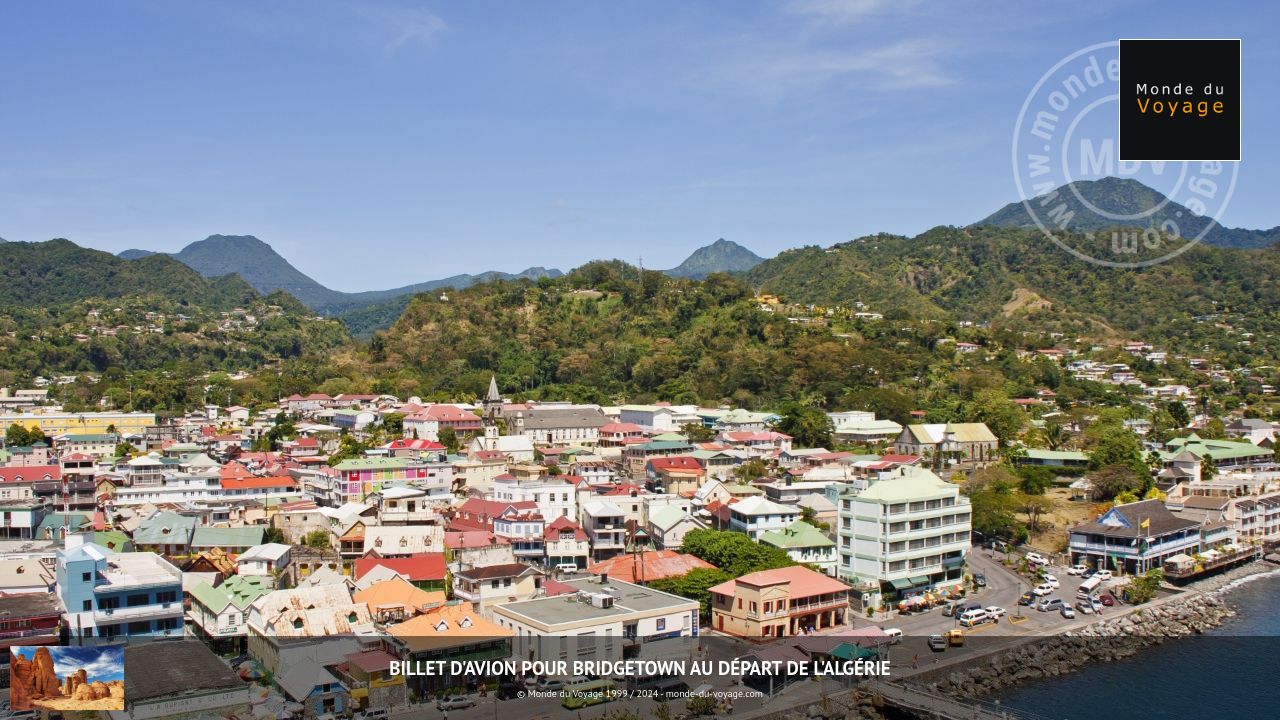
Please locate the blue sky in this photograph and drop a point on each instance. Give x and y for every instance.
(382, 142)
(99, 663)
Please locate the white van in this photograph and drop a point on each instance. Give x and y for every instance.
(895, 635)
(974, 617)
(1088, 586)
(567, 568)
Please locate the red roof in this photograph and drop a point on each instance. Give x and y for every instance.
(233, 470)
(414, 444)
(680, 462)
(371, 661)
(76, 457)
(649, 566)
(477, 507)
(258, 483)
(802, 581)
(31, 473)
(306, 442)
(900, 459)
(424, 566)
(563, 524)
(461, 540)
(620, 428)
(450, 413)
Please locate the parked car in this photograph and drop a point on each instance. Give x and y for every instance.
(550, 685)
(1043, 589)
(1104, 574)
(1088, 573)
(1027, 598)
(1049, 604)
(1107, 599)
(454, 702)
(1067, 611)
(1096, 604)
(1077, 570)
(995, 611)
(1085, 606)
(977, 616)
(371, 714)
(979, 580)
(1037, 559)
(937, 643)
(1051, 580)
(895, 635)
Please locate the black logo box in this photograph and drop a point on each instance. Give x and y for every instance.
(1181, 66)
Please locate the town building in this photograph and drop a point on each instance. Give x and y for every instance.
(117, 595)
(906, 534)
(597, 618)
(488, 586)
(779, 603)
(805, 544)
(756, 516)
(1133, 538)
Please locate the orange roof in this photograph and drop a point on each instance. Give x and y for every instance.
(253, 482)
(445, 627)
(803, 582)
(399, 592)
(649, 566)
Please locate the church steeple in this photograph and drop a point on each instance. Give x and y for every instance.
(492, 401)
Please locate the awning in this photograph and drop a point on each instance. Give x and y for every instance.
(901, 584)
(952, 562)
(921, 580)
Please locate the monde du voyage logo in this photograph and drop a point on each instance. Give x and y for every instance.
(1123, 151)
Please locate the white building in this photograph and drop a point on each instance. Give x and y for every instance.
(556, 497)
(596, 621)
(757, 515)
(908, 531)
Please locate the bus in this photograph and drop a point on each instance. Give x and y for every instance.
(1088, 586)
(595, 692)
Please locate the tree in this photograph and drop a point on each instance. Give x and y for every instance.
(808, 426)
(1056, 435)
(1178, 413)
(449, 438)
(1001, 415)
(18, 436)
(393, 424)
(1116, 445)
(993, 503)
(273, 534)
(693, 585)
(733, 552)
(1142, 588)
(318, 539)
(697, 432)
(1035, 480)
(124, 450)
(1113, 480)
(751, 471)
(348, 447)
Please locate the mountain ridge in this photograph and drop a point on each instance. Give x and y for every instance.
(1129, 197)
(720, 256)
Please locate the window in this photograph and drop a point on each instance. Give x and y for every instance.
(88, 605)
(86, 577)
(662, 623)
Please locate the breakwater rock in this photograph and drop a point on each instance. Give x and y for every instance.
(1103, 641)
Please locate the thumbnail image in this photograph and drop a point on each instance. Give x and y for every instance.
(67, 678)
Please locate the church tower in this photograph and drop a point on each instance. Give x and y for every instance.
(492, 402)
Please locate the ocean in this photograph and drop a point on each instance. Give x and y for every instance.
(1229, 672)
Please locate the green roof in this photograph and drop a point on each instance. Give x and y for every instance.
(90, 437)
(114, 540)
(380, 463)
(798, 534)
(671, 437)
(53, 522)
(912, 484)
(1039, 454)
(165, 528)
(227, 537)
(1218, 449)
(664, 445)
(237, 590)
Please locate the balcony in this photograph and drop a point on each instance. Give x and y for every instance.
(140, 612)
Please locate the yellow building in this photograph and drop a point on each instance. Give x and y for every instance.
(90, 423)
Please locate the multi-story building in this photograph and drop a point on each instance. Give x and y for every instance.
(221, 612)
(93, 444)
(494, 584)
(566, 544)
(53, 424)
(555, 496)
(1133, 538)
(598, 619)
(805, 544)
(360, 477)
(779, 603)
(756, 516)
(908, 533)
(109, 595)
(605, 524)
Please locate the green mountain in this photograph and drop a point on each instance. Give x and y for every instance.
(1005, 275)
(1127, 197)
(267, 271)
(134, 254)
(59, 272)
(720, 256)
